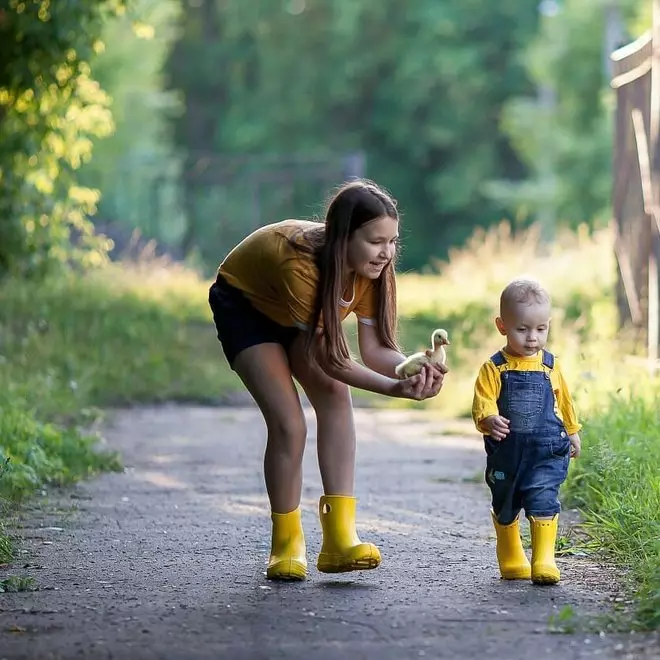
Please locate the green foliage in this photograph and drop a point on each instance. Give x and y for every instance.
(118, 335)
(417, 86)
(135, 168)
(45, 454)
(564, 621)
(108, 338)
(563, 133)
(616, 483)
(6, 549)
(470, 322)
(640, 18)
(50, 107)
(17, 583)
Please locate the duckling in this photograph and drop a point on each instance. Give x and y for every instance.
(413, 363)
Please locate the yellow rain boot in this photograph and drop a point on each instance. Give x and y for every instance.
(287, 559)
(511, 557)
(544, 535)
(342, 549)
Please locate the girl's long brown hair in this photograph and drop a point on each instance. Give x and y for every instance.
(353, 205)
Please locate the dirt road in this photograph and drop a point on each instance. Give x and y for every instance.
(167, 560)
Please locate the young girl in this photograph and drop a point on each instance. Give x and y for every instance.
(278, 302)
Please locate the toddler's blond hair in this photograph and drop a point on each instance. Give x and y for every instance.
(523, 290)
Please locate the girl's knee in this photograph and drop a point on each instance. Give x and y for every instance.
(287, 432)
(331, 394)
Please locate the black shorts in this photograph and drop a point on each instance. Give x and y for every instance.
(240, 325)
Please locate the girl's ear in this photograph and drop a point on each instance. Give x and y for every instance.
(499, 324)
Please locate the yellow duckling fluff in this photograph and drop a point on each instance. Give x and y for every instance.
(412, 365)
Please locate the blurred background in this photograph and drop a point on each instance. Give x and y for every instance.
(518, 138)
(229, 115)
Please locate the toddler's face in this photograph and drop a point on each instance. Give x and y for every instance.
(526, 328)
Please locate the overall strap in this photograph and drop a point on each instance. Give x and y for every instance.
(548, 359)
(498, 359)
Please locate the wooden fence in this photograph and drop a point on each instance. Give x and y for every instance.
(635, 186)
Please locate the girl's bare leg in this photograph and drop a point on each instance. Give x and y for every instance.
(333, 406)
(265, 371)
(341, 550)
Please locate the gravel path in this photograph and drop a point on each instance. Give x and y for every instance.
(167, 560)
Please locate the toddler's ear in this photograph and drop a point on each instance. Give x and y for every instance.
(499, 324)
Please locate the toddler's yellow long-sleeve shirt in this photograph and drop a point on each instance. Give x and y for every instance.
(488, 384)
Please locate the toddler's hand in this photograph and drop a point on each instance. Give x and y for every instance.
(576, 445)
(496, 426)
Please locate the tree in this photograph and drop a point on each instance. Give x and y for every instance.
(417, 86)
(566, 141)
(50, 108)
(138, 157)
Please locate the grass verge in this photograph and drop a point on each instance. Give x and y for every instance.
(75, 343)
(616, 484)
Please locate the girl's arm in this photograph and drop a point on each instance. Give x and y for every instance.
(374, 355)
(423, 386)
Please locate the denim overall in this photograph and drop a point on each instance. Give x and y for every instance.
(526, 469)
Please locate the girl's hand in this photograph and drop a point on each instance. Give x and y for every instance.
(424, 385)
(576, 445)
(496, 426)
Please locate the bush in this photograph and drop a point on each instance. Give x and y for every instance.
(50, 109)
(120, 335)
(34, 454)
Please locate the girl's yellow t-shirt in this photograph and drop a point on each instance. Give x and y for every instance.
(281, 281)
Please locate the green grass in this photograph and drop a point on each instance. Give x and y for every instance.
(564, 622)
(616, 483)
(114, 337)
(76, 343)
(6, 550)
(17, 583)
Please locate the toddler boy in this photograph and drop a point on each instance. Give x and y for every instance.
(523, 407)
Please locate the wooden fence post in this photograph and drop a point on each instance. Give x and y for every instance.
(654, 210)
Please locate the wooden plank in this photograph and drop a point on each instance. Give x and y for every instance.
(643, 159)
(653, 182)
(640, 48)
(628, 280)
(632, 75)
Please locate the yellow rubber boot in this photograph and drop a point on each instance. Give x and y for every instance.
(544, 535)
(342, 549)
(287, 559)
(511, 556)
